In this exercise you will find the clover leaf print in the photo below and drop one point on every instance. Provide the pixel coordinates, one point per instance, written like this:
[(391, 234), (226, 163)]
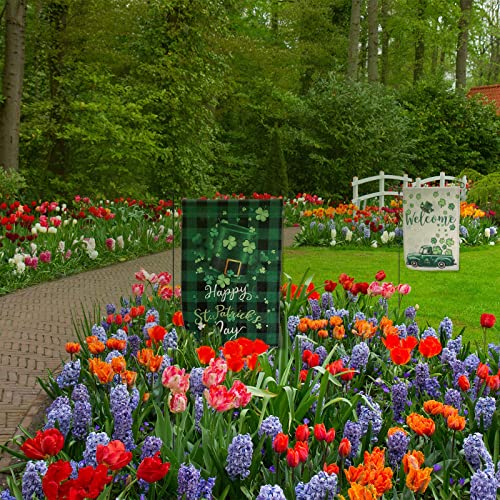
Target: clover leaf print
[(261, 214), (214, 232), (223, 280), (208, 279), (248, 246), (230, 243)]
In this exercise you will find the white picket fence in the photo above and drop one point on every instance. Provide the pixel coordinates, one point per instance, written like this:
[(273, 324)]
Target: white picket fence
[(404, 181)]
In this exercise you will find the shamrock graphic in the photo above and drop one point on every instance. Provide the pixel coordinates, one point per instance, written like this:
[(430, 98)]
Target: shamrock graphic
[(208, 279), (248, 246), (223, 280), (230, 243), (261, 214)]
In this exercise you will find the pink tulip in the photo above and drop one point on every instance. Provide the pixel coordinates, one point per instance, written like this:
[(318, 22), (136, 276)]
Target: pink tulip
[(110, 243), (404, 289), (177, 402), (175, 379), (138, 289), (214, 373)]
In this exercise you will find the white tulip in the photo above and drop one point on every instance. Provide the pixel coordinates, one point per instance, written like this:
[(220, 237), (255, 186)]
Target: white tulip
[(52, 230), (93, 254)]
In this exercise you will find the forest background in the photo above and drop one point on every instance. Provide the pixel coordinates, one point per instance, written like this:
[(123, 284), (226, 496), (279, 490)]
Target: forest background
[(162, 98)]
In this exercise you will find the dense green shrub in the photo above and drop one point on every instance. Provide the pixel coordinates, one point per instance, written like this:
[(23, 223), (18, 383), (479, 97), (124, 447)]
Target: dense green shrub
[(486, 193)]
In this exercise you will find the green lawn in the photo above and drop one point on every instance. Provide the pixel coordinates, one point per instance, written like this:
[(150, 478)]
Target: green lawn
[(461, 295)]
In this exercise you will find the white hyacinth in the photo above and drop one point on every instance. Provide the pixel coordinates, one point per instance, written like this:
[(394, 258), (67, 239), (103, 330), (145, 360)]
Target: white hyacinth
[(385, 237), (120, 242), (333, 233), (487, 232), (348, 235), (92, 254)]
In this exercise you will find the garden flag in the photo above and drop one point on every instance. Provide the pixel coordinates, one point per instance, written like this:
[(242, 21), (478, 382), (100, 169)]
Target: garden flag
[(431, 221), (231, 267)]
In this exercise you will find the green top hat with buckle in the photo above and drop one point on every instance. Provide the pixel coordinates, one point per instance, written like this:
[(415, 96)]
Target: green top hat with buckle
[(234, 249)]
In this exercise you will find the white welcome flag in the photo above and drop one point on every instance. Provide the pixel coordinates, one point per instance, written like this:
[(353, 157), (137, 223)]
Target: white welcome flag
[(431, 222)]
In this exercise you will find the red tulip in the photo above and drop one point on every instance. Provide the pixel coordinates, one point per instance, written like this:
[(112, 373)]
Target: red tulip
[(330, 285), (380, 276), (292, 457), (280, 443), (430, 347), (344, 447), (463, 383), (302, 448), (320, 432), (152, 469), (113, 455), (302, 433), (45, 444), (487, 320)]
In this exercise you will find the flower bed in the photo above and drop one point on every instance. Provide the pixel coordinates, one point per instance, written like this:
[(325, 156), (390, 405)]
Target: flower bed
[(40, 241), (359, 400)]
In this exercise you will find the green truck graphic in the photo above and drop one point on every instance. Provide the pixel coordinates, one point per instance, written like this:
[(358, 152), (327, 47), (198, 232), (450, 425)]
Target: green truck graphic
[(429, 256)]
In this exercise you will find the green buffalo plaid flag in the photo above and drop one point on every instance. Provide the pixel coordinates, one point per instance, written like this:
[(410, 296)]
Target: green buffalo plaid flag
[(231, 267)]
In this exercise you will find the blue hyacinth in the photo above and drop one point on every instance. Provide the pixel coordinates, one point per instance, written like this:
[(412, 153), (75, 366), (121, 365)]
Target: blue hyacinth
[(483, 485), (484, 410), (271, 426), (122, 415), (59, 414), (399, 394), (352, 431), (268, 492), (187, 480), (69, 375), (359, 356), (475, 451), (150, 447), (32, 479), (82, 411), (93, 440), (397, 446), (239, 456)]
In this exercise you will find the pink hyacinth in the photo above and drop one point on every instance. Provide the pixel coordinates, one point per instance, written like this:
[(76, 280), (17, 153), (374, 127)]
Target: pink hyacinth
[(45, 257)]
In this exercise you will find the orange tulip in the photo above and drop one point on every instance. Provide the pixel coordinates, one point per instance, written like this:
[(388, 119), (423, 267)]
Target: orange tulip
[(417, 480), (336, 321), (433, 407), (116, 344), (359, 492), (129, 377), (72, 347), (322, 334), (155, 363), (448, 411), (393, 430), (119, 364), (339, 332), (415, 458), (102, 370), (157, 333), (144, 355), (96, 347), (456, 422), (421, 425)]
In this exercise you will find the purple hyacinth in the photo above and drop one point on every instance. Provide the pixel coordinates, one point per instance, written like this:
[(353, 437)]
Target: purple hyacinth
[(198, 411), (112, 355), (402, 332), (471, 362), (196, 386), (268, 492), (448, 356), (475, 451), (319, 487), (315, 308), (453, 398), (110, 309), (397, 446), (413, 330), (150, 447), (170, 340), (32, 479), (370, 414), (484, 410), (205, 487), (59, 415), (422, 374), (82, 411), (399, 395), (239, 456), (120, 334), (134, 344), (483, 485), (433, 387), (359, 356), (6, 495), (326, 300), (293, 322), (429, 332), (122, 415), (187, 480), (410, 312), (99, 332), (446, 327), (455, 345), (135, 398), (93, 440), (271, 426), (322, 353), (69, 375), (352, 431)]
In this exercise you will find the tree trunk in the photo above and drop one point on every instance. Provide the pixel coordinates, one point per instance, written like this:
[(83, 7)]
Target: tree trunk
[(384, 74), (12, 84), (463, 35), (372, 41), (418, 68), (353, 49)]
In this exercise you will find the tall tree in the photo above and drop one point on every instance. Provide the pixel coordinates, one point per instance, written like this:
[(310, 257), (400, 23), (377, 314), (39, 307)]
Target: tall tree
[(372, 40), (463, 36), (418, 68), (385, 36), (12, 83), (353, 47)]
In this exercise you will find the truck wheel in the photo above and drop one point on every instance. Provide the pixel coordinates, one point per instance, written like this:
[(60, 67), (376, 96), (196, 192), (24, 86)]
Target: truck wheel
[(414, 263), (441, 264)]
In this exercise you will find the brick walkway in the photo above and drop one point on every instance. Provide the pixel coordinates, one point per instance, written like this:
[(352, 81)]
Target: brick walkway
[(36, 323)]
